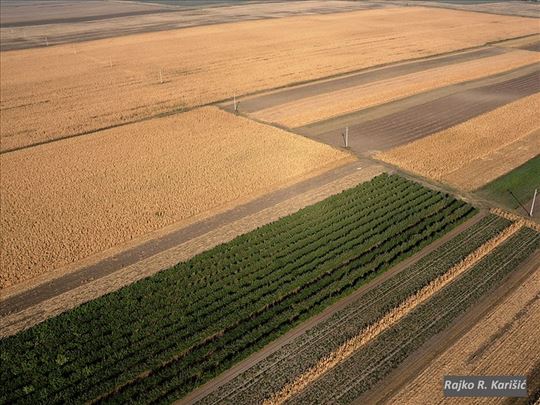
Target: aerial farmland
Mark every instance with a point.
(251, 202)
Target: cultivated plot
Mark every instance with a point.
(67, 200)
(466, 155)
(50, 93)
(157, 339)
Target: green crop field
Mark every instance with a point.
(271, 375)
(156, 340)
(521, 182)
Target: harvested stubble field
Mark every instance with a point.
(504, 342)
(53, 92)
(335, 103)
(67, 200)
(465, 155)
(155, 340)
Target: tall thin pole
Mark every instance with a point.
(160, 76)
(234, 103)
(346, 137)
(533, 201)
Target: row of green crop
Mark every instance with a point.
(188, 323)
(364, 369)
(250, 336)
(269, 376)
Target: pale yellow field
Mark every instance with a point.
(52, 92)
(505, 342)
(67, 200)
(327, 105)
(455, 155)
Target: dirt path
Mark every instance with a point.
(420, 360)
(230, 374)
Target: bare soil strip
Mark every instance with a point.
(391, 318)
(21, 311)
(289, 94)
(421, 120)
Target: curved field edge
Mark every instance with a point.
(271, 375)
(161, 337)
(368, 366)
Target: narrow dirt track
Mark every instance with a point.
(425, 119)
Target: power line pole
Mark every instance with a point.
(345, 136)
(533, 201)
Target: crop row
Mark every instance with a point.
(160, 337)
(365, 368)
(269, 376)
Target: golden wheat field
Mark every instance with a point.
(475, 144)
(504, 342)
(339, 102)
(67, 200)
(53, 92)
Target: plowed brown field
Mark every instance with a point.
(49, 93)
(67, 200)
(476, 144)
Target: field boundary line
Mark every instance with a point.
(392, 317)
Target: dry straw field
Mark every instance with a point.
(53, 92)
(67, 200)
(504, 342)
(326, 105)
(477, 151)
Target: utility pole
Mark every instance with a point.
(345, 136)
(160, 76)
(235, 104)
(533, 201)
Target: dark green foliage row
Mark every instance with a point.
(159, 338)
(284, 366)
(364, 369)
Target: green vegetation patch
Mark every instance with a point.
(157, 339)
(521, 182)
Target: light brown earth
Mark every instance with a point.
(504, 342)
(66, 200)
(53, 92)
(454, 155)
(335, 103)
